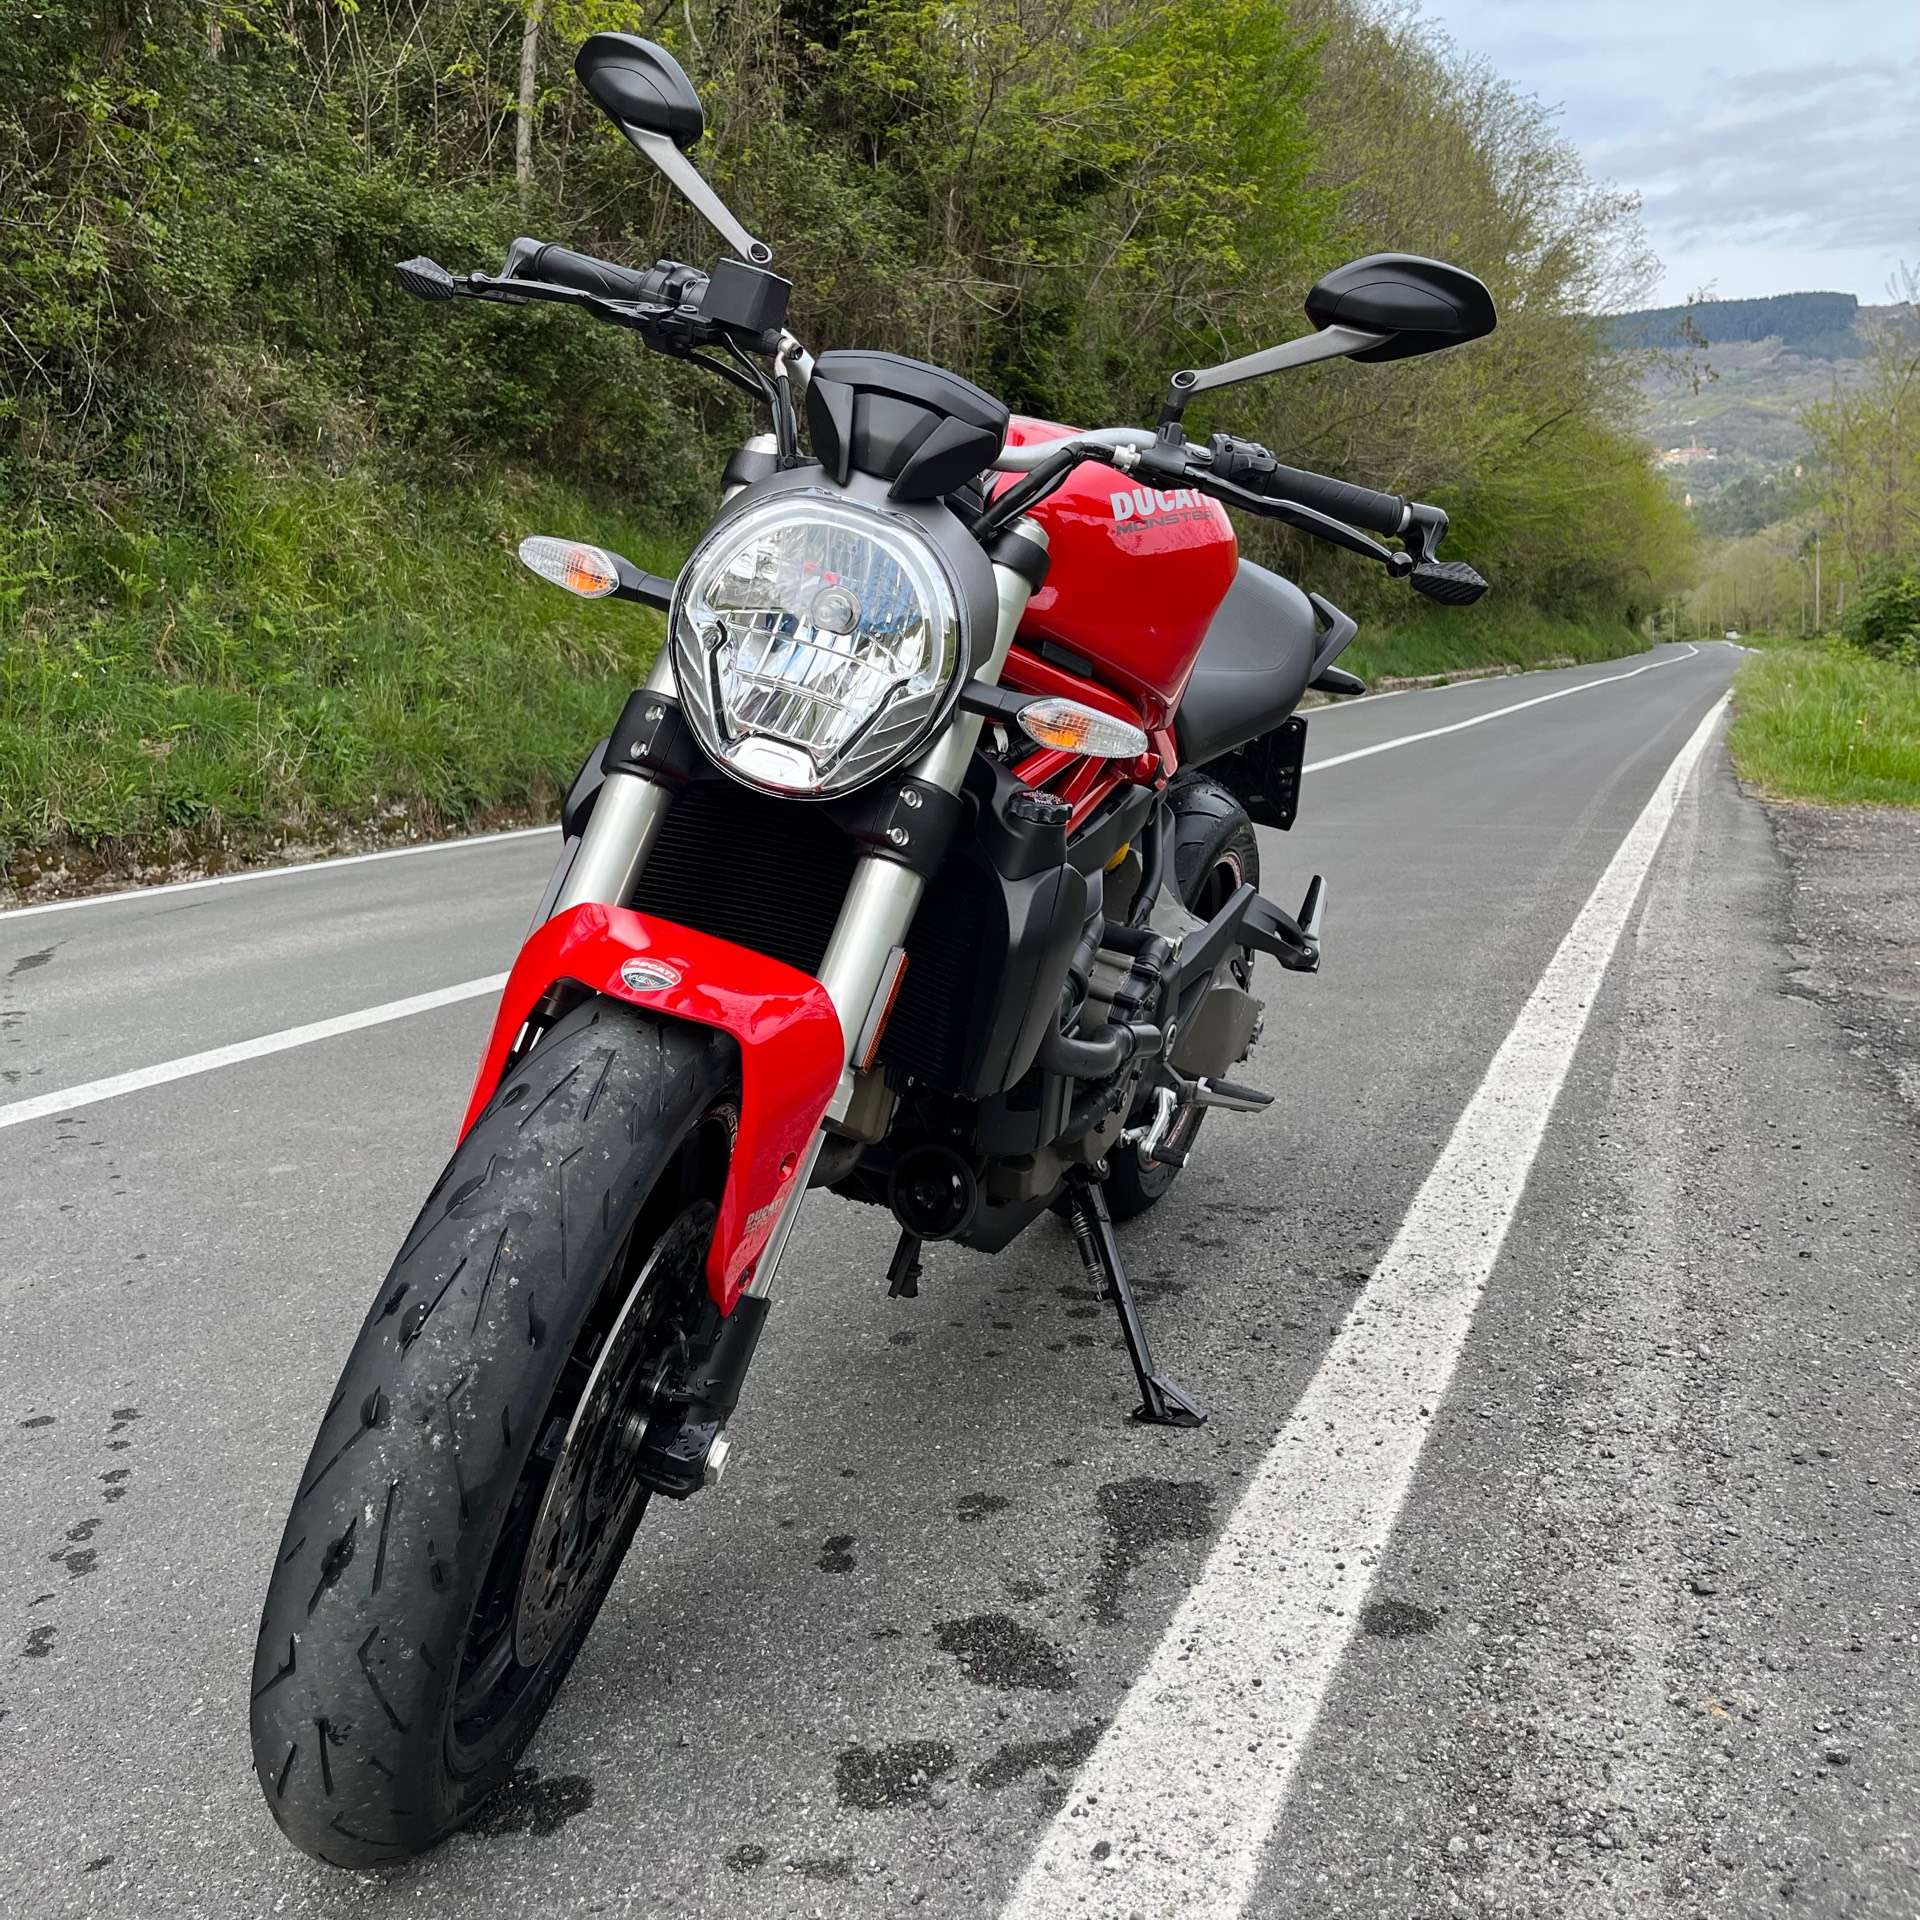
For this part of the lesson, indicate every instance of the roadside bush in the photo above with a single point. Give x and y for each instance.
(1884, 617)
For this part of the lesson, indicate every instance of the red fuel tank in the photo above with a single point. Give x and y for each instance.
(1134, 579)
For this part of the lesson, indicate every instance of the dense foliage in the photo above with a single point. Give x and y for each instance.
(247, 488)
(1821, 323)
(1866, 454)
(1884, 617)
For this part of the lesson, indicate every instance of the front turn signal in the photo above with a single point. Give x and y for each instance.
(588, 571)
(1074, 728)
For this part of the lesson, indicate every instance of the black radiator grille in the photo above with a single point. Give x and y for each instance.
(767, 874)
(927, 1034)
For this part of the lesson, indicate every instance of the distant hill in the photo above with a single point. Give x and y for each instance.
(1818, 324)
(1722, 400)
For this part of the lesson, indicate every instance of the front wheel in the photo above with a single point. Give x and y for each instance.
(471, 1492)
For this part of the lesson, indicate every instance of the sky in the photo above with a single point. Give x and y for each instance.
(1776, 148)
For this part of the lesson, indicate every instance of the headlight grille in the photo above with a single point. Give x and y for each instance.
(817, 643)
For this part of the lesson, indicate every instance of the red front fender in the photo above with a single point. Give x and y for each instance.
(791, 1049)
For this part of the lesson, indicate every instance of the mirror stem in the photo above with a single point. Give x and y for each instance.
(705, 202)
(1328, 344)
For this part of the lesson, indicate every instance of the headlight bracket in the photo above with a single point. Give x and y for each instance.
(906, 821)
(652, 736)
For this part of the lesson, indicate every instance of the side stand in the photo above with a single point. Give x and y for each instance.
(1162, 1404)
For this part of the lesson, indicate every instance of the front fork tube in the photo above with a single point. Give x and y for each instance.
(881, 900)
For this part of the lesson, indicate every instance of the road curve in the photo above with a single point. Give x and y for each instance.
(1638, 1636)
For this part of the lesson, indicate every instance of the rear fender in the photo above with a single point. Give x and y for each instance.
(788, 1035)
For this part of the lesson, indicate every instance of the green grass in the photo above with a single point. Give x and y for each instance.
(1828, 723)
(310, 657)
(316, 655)
(1456, 639)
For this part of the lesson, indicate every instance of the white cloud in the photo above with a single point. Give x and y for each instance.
(1777, 146)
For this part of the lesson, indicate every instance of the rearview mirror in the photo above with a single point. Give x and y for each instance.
(641, 87)
(1385, 307)
(643, 91)
(1421, 305)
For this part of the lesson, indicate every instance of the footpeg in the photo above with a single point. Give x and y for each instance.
(1230, 1094)
(1162, 1402)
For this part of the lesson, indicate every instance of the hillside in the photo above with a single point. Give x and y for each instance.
(1808, 323)
(1723, 384)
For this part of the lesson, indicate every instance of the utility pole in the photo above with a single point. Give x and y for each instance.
(1816, 579)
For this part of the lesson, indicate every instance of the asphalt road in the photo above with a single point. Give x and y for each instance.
(1643, 1637)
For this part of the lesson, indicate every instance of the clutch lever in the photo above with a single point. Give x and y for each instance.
(428, 280)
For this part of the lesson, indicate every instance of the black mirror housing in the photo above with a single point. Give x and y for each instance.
(637, 84)
(1424, 305)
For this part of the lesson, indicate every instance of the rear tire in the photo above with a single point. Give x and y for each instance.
(406, 1654)
(1214, 851)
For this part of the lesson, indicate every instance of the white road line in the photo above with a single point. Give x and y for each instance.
(91, 1092)
(1465, 678)
(1499, 713)
(248, 874)
(1173, 1810)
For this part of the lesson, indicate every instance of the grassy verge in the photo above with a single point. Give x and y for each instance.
(1830, 724)
(310, 659)
(322, 655)
(1459, 639)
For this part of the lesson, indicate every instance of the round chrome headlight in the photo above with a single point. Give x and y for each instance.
(817, 643)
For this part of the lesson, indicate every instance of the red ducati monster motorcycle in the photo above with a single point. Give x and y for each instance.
(922, 869)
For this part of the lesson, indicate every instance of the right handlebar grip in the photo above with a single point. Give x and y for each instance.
(563, 267)
(1250, 465)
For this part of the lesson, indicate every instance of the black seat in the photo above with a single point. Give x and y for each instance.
(1253, 666)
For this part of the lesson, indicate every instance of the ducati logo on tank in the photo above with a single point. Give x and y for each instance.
(1141, 503)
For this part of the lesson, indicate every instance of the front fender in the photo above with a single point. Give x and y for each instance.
(791, 1048)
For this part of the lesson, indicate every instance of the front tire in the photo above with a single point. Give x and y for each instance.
(467, 1502)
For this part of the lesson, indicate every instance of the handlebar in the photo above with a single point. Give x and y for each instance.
(667, 283)
(1247, 464)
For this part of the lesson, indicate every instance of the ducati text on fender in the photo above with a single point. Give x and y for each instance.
(923, 868)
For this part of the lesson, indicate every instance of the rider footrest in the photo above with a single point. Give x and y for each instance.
(1162, 1403)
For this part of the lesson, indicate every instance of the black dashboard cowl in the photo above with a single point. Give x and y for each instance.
(918, 427)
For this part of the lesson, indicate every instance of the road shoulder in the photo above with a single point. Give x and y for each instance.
(1855, 916)
(1644, 1643)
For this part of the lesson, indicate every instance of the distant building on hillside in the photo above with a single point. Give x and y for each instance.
(1693, 456)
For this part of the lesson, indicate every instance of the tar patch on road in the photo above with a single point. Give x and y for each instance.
(995, 1650)
(972, 1507)
(836, 1553)
(896, 1776)
(1396, 1620)
(823, 1867)
(1018, 1758)
(1141, 1515)
(529, 1804)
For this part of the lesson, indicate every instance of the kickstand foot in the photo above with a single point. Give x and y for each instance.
(903, 1270)
(1162, 1402)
